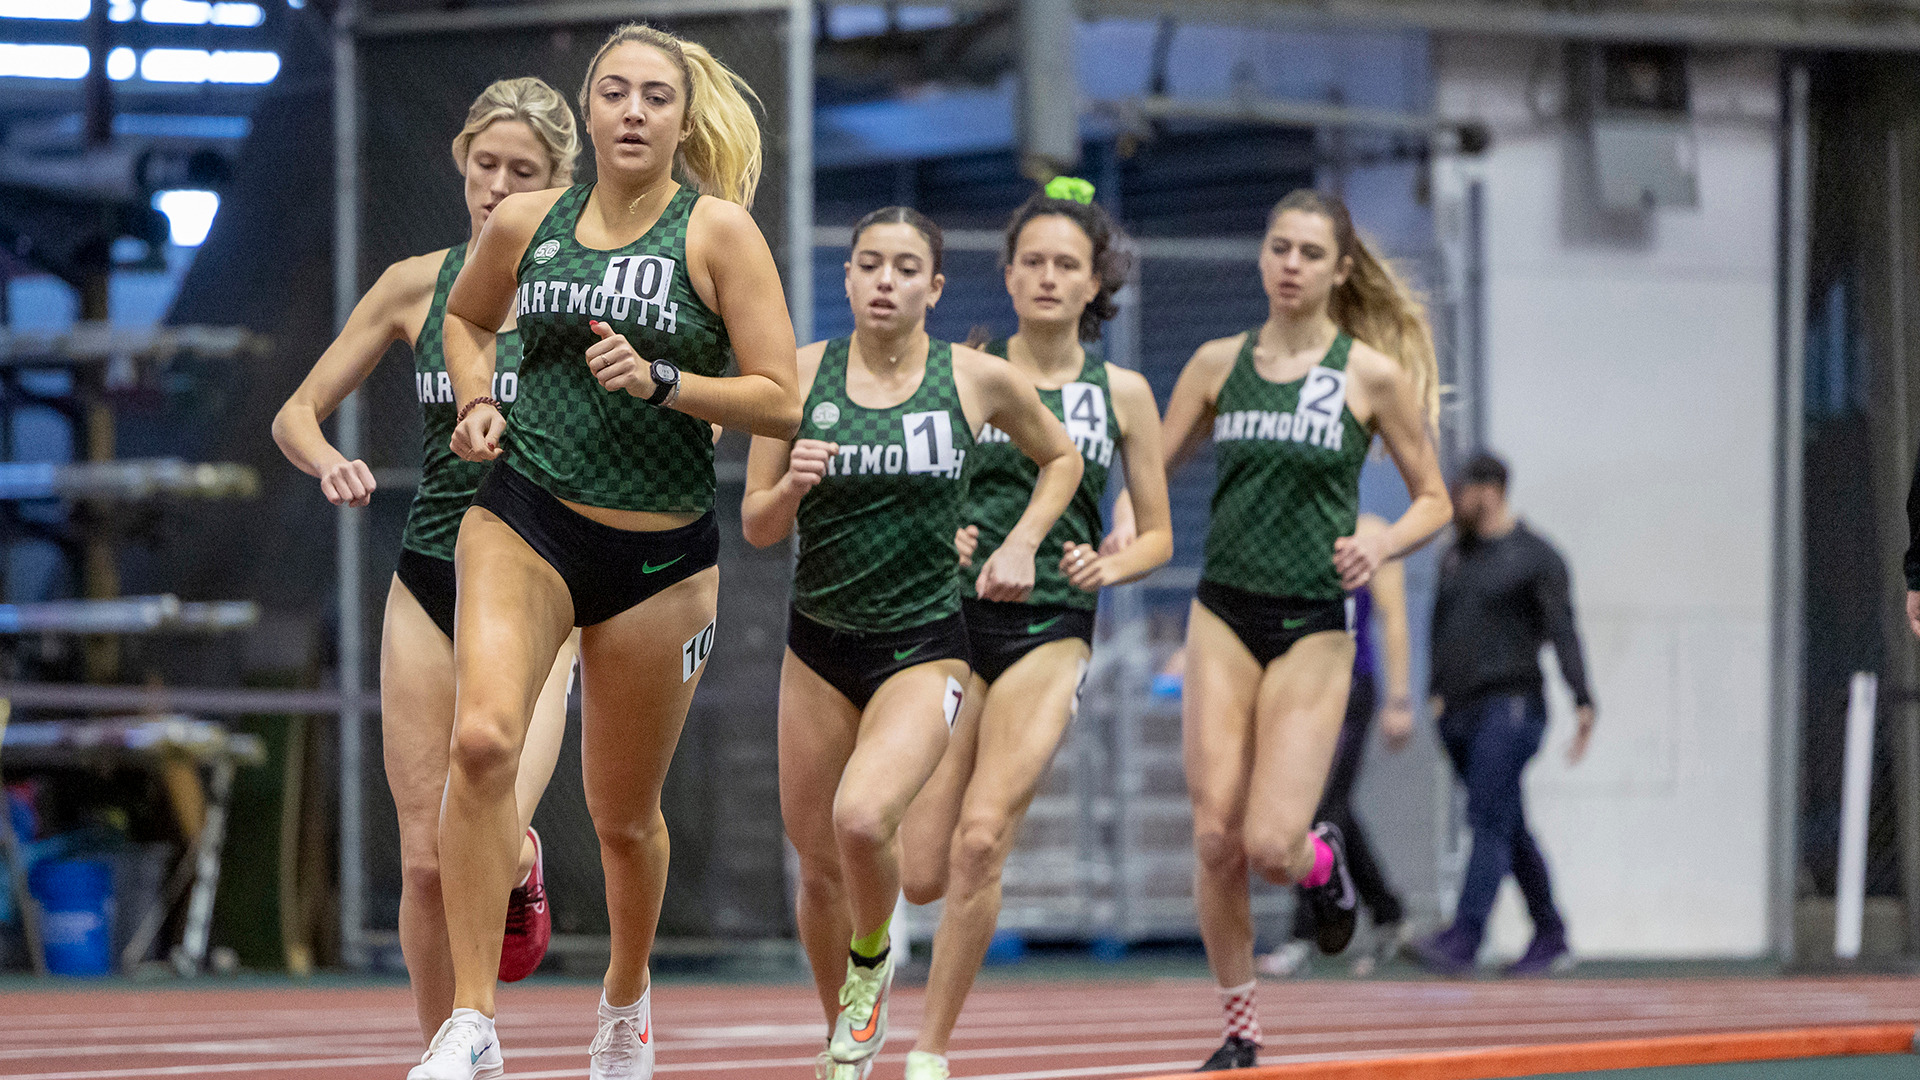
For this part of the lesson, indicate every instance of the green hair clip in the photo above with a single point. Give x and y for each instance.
(1070, 187)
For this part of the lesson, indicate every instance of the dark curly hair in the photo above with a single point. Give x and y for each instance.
(1112, 252)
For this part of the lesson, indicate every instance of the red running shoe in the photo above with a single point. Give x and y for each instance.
(529, 923)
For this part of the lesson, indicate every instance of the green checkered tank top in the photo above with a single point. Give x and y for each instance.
(999, 482)
(447, 483)
(876, 534)
(567, 434)
(1287, 459)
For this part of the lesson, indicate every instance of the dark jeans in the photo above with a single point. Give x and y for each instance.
(1490, 742)
(1336, 805)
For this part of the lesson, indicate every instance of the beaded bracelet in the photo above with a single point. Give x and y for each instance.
(483, 399)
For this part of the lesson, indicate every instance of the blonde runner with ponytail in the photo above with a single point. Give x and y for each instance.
(720, 148)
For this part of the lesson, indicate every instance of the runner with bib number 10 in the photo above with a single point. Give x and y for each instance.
(877, 656)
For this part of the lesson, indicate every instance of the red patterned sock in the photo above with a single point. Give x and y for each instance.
(1242, 1016)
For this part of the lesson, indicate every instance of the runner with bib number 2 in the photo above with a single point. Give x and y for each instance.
(1345, 354)
(877, 653)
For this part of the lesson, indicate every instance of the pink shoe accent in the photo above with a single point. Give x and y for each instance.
(1322, 871)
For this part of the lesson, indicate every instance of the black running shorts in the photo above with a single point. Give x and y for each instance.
(857, 664)
(1269, 625)
(1001, 633)
(607, 570)
(430, 580)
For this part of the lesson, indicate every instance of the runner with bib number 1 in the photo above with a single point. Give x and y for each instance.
(877, 653)
(1064, 259)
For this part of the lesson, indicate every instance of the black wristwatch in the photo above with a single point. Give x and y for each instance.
(666, 383)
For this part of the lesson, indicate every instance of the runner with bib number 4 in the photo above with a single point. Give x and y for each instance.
(877, 653)
(1064, 259)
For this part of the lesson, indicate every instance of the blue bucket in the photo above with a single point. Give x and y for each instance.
(76, 914)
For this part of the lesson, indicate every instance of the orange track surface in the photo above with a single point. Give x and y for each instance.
(1013, 1029)
(1522, 1061)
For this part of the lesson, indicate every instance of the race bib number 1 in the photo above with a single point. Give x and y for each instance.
(955, 695)
(929, 442)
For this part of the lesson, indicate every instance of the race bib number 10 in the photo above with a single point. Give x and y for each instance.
(646, 278)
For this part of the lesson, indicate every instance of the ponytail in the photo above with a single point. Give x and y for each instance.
(1374, 305)
(721, 149)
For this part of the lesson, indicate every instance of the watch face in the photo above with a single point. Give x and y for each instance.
(664, 372)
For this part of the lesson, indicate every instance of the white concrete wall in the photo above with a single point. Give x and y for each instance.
(1630, 382)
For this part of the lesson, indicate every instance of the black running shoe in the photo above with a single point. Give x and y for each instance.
(1235, 1053)
(1335, 912)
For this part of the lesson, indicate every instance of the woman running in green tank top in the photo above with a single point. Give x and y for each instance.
(519, 136)
(632, 295)
(1064, 259)
(1345, 354)
(876, 659)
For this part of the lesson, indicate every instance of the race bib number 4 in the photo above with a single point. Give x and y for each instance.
(1086, 409)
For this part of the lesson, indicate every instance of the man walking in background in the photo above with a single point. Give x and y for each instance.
(1503, 593)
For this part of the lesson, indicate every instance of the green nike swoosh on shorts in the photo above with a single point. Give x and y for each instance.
(1292, 624)
(649, 568)
(1041, 627)
(902, 654)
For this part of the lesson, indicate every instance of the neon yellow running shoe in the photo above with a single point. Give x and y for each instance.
(862, 1026)
(924, 1066)
(825, 1068)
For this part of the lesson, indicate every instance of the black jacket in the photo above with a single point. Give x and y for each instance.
(1499, 600)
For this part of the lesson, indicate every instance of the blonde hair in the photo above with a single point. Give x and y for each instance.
(1373, 304)
(721, 149)
(533, 103)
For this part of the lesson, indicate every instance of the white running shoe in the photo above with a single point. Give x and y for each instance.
(623, 1047)
(1287, 961)
(924, 1066)
(862, 1025)
(464, 1048)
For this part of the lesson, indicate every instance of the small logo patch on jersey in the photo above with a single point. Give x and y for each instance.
(826, 414)
(546, 251)
(694, 653)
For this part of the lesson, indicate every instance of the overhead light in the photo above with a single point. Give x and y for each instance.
(189, 214)
(201, 13)
(70, 10)
(201, 66)
(121, 64)
(44, 61)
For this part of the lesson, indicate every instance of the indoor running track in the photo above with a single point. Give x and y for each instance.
(1014, 1029)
